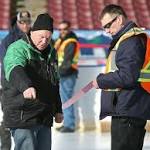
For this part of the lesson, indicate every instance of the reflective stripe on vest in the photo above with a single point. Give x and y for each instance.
(145, 76)
(60, 47)
(111, 64)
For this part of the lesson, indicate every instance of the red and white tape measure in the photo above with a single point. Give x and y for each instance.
(77, 96)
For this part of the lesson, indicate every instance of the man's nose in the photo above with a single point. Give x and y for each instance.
(45, 40)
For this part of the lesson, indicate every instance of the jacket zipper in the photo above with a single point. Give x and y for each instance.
(21, 115)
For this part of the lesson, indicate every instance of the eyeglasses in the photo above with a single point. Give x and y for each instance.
(63, 29)
(108, 25)
(25, 22)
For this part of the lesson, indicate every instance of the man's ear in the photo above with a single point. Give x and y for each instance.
(120, 20)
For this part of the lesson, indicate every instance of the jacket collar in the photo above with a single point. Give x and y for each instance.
(16, 30)
(69, 35)
(124, 29)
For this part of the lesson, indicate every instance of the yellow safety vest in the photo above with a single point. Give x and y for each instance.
(111, 64)
(60, 47)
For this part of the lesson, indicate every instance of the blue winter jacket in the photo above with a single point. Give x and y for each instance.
(132, 100)
(14, 34)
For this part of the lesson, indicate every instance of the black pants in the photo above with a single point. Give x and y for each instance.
(127, 133)
(5, 135)
(5, 138)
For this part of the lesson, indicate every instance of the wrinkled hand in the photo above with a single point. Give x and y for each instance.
(95, 84)
(30, 93)
(59, 117)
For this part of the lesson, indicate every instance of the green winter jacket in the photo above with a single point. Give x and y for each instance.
(24, 67)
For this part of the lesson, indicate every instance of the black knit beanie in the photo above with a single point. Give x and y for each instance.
(43, 22)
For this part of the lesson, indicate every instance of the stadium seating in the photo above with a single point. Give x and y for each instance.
(4, 14)
(83, 14)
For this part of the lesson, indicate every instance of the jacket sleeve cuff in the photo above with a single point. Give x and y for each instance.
(102, 81)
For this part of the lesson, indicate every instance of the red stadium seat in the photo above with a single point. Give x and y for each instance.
(106, 2)
(83, 14)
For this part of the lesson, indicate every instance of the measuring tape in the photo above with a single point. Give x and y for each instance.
(77, 96)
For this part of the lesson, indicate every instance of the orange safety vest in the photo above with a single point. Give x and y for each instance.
(144, 78)
(145, 72)
(60, 47)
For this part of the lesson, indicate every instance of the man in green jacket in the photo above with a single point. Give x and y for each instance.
(31, 88)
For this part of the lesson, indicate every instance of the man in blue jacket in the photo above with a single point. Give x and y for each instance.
(122, 96)
(21, 25)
